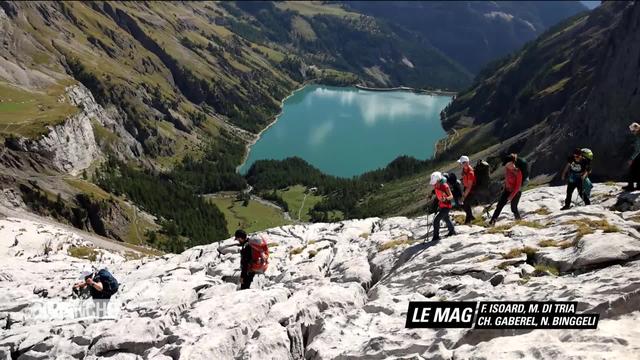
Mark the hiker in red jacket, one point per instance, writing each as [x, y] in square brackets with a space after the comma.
[445, 197]
[511, 193]
[468, 182]
[254, 257]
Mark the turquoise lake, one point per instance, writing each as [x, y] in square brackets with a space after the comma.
[348, 131]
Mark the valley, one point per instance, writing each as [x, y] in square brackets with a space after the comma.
[170, 94]
[137, 137]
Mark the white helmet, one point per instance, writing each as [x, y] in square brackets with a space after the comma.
[435, 177]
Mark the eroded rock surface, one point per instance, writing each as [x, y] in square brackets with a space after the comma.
[339, 290]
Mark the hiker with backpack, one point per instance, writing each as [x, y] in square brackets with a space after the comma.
[512, 186]
[254, 257]
[468, 182]
[101, 285]
[578, 169]
[634, 163]
[445, 198]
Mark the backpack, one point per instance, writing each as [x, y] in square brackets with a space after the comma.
[483, 178]
[455, 186]
[524, 168]
[109, 283]
[586, 188]
[259, 255]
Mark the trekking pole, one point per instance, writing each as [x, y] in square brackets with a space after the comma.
[428, 227]
[488, 207]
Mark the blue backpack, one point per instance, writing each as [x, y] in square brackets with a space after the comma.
[109, 283]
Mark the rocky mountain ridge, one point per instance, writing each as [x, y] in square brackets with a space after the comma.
[341, 290]
[488, 29]
[575, 86]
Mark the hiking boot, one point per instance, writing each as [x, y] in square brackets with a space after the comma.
[453, 233]
[492, 222]
[435, 239]
[565, 207]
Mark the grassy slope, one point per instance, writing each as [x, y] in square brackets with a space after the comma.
[28, 113]
[312, 8]
[112, 54]
[294, 196]
[254, 217]
[137, 228]
[115, 56]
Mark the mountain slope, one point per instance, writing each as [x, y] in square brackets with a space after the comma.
[576, 86]
[169, 94]
[169, 88]
[473, 33]
[335, 291]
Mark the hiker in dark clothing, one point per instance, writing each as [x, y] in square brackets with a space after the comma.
[101, 285]
[445, 197]
[578, 168]
[246, 276]
[512, 185]
[634, 164]
[468, 182]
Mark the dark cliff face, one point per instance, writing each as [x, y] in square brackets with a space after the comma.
[473, 32]
[575, 86]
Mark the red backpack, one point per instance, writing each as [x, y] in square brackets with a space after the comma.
[259, 255]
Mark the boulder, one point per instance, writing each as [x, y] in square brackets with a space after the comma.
[133, 335]
[269, 341]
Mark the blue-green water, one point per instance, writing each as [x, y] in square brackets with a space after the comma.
[348, 131]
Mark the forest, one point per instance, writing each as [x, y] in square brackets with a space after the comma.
[186, 219]
[344, 195]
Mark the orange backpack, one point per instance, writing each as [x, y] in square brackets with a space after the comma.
[259, 255]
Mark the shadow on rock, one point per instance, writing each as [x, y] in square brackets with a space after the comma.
[627, 201]
[408, 254]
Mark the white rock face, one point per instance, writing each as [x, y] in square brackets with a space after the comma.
[72, 146]
[343, 293]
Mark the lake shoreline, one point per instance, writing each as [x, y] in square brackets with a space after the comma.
[406, 88]
[250, 144]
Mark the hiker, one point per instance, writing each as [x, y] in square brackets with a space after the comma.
[468, 182]
[254, 258]
[445, 197]
[634, 163]
[101, 285]
[511, 192]
[578, 168]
